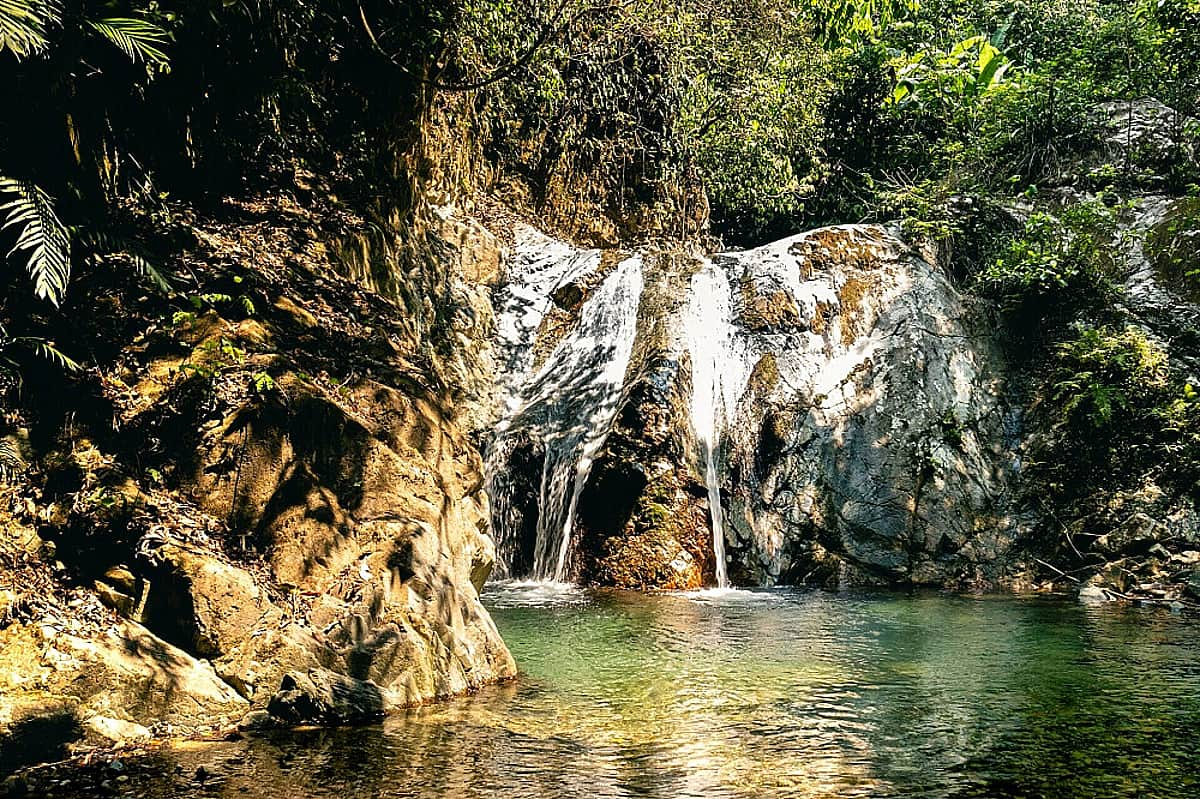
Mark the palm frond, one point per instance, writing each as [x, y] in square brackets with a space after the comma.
[23, 25]
[47, 350]
[40, 236]
[100, 243]
[136, 38]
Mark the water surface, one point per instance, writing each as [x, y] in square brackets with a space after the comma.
[780, 694]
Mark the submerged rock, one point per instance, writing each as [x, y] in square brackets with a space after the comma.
[323, 697]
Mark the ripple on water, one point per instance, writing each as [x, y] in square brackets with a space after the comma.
[746, 694]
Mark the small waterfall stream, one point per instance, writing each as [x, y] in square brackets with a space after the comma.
[563, 411]
[720, 371]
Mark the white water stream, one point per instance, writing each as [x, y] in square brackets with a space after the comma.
[720, 371]
[567, 407]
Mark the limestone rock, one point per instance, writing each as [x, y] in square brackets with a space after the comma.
[127, 673]
[863, 433]
[112, 731]
[255, 665]
[201, 603]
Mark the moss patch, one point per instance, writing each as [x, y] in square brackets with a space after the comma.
[1173, 247]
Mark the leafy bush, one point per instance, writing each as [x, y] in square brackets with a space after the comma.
[1105, 377]
[1055, 266]
[1116, 408]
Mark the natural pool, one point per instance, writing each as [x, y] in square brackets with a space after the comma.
[778, 694]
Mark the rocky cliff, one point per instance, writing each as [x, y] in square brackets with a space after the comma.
[853, 403]
[268, 499]
[849, 407]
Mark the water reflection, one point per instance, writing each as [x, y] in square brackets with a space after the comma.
[772, 693]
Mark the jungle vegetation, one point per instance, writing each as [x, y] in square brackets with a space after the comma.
[766, 117]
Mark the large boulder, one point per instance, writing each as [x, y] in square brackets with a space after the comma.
[370, 499]
[67, 683]
[321, 696]
[201, 603]
[873, 442]
[831, 401]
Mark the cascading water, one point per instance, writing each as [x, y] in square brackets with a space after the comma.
[566, 409]
[720, 371]
[538, 265]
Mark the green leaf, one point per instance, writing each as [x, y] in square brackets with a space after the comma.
[102, 243]
[23, 25]
[136, 38]
[41, 237]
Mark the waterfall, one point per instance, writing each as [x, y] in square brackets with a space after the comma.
[720, 371]
[566, 408]
[537, 266]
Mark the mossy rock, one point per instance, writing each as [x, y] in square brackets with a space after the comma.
[1173, 246]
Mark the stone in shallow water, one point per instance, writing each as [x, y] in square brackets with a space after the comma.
[1093, 595]
[321, 696]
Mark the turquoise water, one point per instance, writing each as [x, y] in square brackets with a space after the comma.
[782, 694]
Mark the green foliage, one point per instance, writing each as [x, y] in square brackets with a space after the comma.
[1117, 409]
[138, 39]
[1105, 376]
[25, 25]
[14, 348]
[952, 82]
[100, 246]
[1056, 265]
[41, 238]
[752, 115]
[855, 22]
[262, 383]
[213, 356]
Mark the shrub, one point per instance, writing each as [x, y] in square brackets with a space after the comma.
[1055, 266]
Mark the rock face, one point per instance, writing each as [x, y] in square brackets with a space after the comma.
[58, 686]
[873, 442]
[830, 402]
[277, 507]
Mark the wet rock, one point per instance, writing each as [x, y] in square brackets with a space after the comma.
[320, 696]
[360, 497]
[258, 720]
[861, 432]
[122, 579]
[8, 603]
[1093, 595]
[256, 664]
[1192, 587]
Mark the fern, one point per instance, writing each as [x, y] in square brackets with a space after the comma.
[136, 38]
[47, 350]
[23, 25]
[40, 235]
